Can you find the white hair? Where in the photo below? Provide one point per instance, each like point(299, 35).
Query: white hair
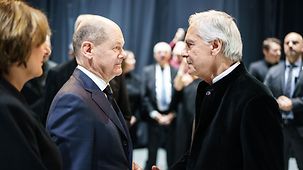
point(162, 46)
point(213, 25)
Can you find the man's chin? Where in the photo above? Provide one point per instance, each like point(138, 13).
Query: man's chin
point(118, 72)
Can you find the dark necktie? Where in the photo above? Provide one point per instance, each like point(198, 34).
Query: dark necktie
point(109, 93)
point(288, 85)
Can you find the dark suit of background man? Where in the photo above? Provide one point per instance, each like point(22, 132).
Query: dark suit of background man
point(286, 83)
point(158, 94)
point(272, 52)
point(84, 120)
point(237, 121)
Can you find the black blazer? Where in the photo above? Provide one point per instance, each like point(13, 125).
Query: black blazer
point(149, 90)
point(24, 143)
point(275, 80)
point(243, 132)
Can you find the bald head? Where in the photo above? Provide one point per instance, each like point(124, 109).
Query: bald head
point(293, 46)
point(92, 28)
point(81, 18)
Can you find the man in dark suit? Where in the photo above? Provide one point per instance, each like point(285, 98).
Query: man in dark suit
point(286, 83)
point(237, 121)
point(84, 119)
point(58, 75)
point(158, 96)
point(272, 52)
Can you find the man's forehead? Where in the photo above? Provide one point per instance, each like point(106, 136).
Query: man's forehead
point(293, 36)
point(191, 32)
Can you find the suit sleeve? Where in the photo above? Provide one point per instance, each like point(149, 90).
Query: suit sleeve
point(261, 135)
point(146, 93)
point(71, 128)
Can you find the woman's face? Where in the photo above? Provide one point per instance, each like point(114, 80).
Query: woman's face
point(35, 61)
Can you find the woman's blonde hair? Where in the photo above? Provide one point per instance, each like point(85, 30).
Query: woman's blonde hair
point(22, 28)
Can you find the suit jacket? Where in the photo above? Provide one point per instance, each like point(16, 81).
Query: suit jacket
point(259, 69)
point(149, 90)
point(87, 130)
point(24, 143)
point(241, 132)
point(56, 78)
point(275, 80)
point(60, 74)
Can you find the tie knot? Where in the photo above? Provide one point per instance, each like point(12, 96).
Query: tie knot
point(291, 66)
point(108, 91)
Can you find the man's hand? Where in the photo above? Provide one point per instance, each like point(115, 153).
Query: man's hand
point(285, 103)
point(136, 166)
point(155, 168)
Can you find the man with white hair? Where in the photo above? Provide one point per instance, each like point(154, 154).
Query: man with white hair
point(158, 92)
point(237, 122)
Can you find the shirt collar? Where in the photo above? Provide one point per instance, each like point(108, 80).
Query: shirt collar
point(297, 63)
point(226, 72)
point(97, 80)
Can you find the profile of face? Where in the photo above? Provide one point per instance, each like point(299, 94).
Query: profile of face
point(162, 53)
point(198, 55)
point(109, 55)
point(273, 54)
point(36, 59)
point(49, 51)
point(293, 46)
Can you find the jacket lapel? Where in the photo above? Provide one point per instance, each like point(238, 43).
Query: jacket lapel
point(281, 79)
point(299, 84)
point(99, 98)
point(103, 103)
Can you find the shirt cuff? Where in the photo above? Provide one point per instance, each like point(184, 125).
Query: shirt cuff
point(153, 114)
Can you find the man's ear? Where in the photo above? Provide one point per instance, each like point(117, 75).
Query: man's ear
point(86, 49)
point(216, 46)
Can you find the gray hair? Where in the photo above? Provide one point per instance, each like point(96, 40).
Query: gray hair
point(94, 33)
point(213, 25)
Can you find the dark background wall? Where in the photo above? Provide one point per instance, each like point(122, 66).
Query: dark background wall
point(145, 22)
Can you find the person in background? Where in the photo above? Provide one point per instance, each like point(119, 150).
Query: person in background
point(285, 80)
point(179, 36)
point(24, 143)
point(272, 53)
point(237, 122)
point(138, 128)
point(158, 105)
point(177, 57)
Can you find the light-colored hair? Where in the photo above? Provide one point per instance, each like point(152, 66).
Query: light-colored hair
point(80, 19)
point(22, 28)
point(163, 46)
point(91, 31)
point(213, 25)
